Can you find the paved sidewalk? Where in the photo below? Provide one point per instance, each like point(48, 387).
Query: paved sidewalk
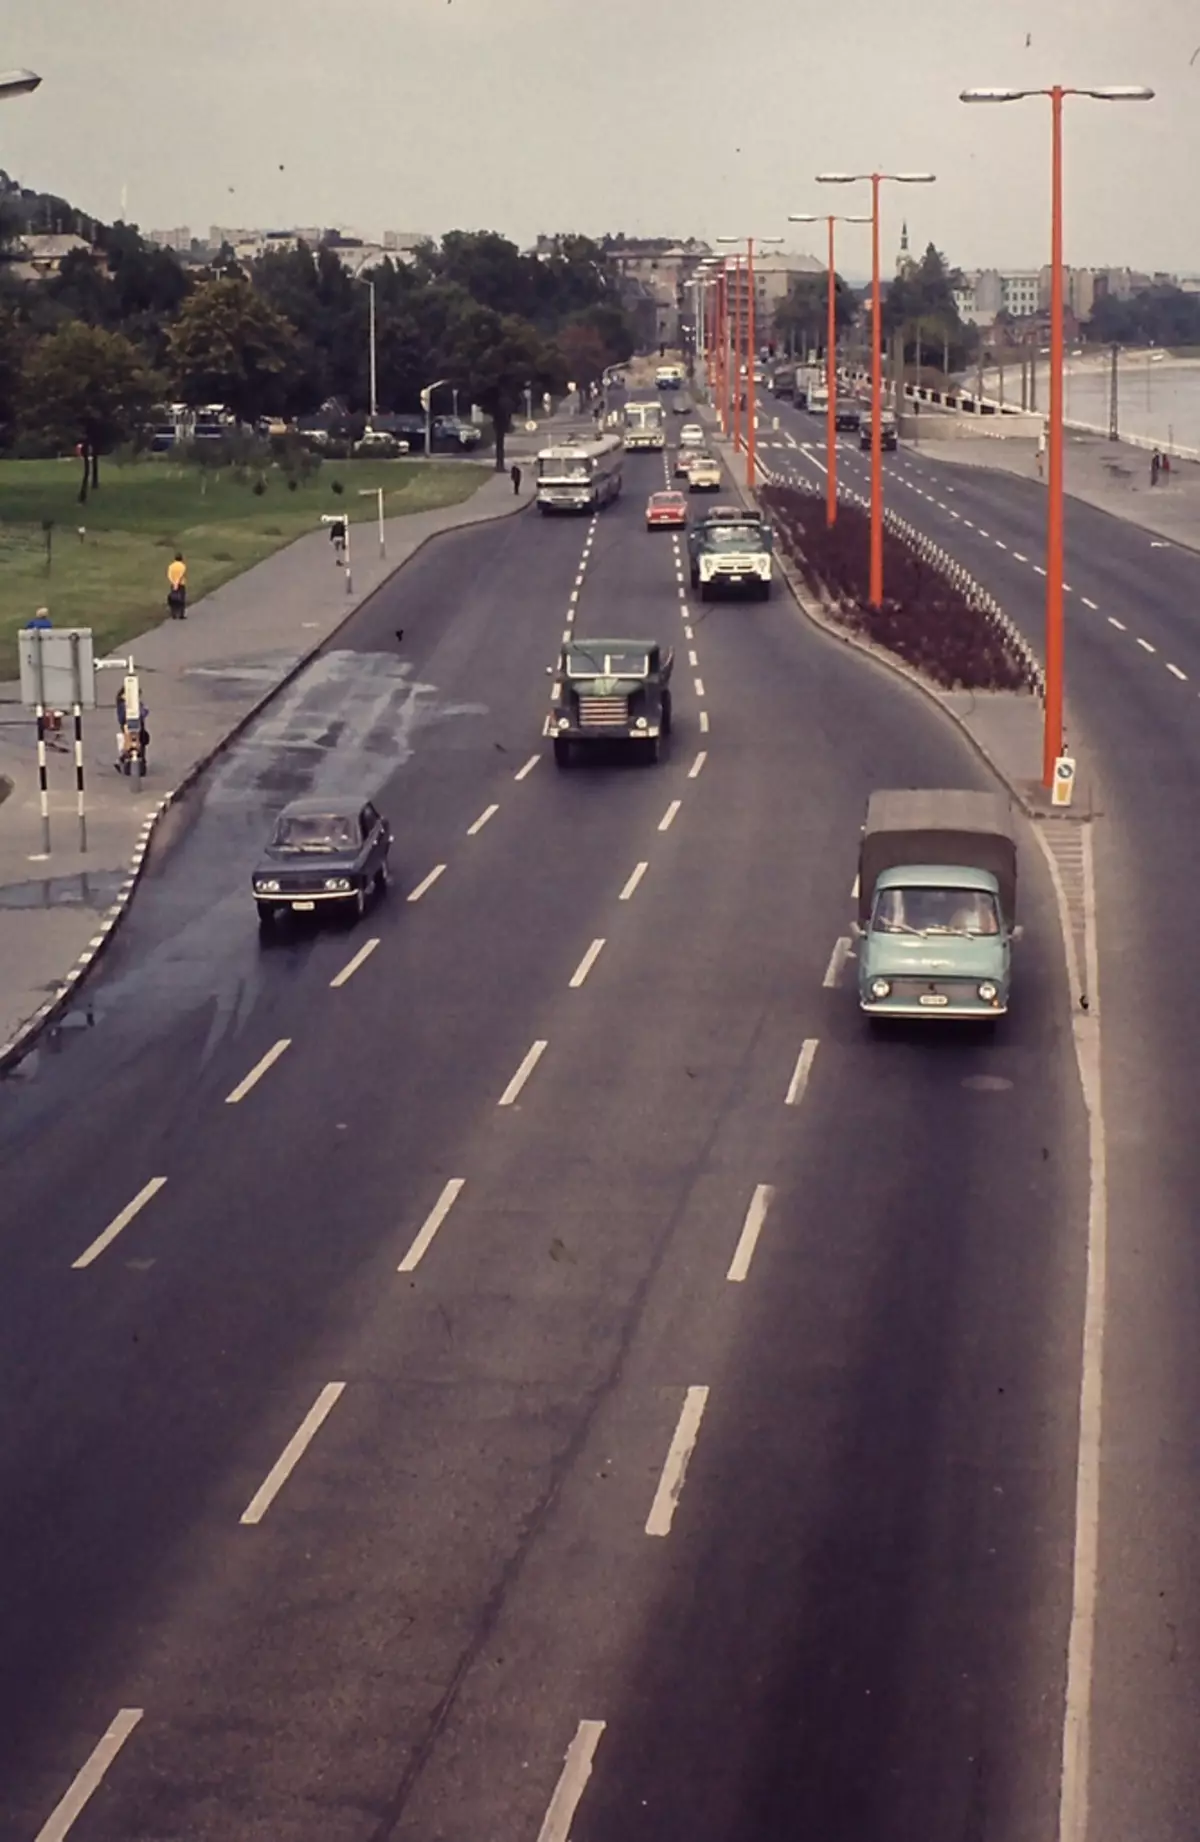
point(1111, 475)
point(202, 679)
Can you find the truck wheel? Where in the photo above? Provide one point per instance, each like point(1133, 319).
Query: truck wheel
point(666, 713)
point(562, 752)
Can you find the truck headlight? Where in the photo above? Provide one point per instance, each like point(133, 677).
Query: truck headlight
point(339, 884)
point(881, 988)
point(267, 884)
point(564, 722)
point(988, 992)
point(641, 723)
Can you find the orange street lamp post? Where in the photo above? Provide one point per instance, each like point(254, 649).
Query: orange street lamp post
point(809, 217)
point(749, 321)
point(876, 179)
point(1052, 738)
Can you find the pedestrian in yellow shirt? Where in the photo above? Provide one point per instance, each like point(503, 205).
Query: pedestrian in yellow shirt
point(177, 587)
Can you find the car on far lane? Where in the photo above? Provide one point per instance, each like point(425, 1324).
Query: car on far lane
point(664, 509)
point(683, 462)
point(704, 474)
point(691, 435)
point(323, 851)
point(849, 414)
point(887, 431)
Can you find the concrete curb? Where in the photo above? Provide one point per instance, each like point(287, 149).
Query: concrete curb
point(19, 1045)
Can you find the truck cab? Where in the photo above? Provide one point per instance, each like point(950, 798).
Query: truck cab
point(937, 893)
point(731, 550)
point(610, 690)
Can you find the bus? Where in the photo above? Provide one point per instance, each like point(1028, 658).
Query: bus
point(644, 426)
point(580, 476)
point(670, 377)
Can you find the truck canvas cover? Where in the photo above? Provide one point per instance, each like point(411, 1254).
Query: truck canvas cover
point(950, 826)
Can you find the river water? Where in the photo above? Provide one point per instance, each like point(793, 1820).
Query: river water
point(1158, 397)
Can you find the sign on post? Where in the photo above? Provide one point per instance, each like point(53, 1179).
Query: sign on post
point(1063, 789)
point(57, 667)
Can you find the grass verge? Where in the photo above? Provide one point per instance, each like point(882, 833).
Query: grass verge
point(103, 565)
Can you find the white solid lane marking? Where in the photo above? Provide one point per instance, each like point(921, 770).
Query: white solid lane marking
point(426, 884)
point(801, 1072)
point(699, 687)
point(693, 661)
point(1146, 646)
point(351, 967)
point(528, 768)
point(668, 818)
point(697, 764)
point(433, 1222)
point(522, 1075)
point(1118, 624)
point(752, 1227)
point(585, 965)
point(292, 1453)
point(87, 1781)
point(489, 812)
point(1094, 606)
point(118, 1223)
point(1176, 673)
point(258, 1071)
point(662, 1510)
point(837, 960)
point(572, 1782)
point(633, 882)
point(704, 722)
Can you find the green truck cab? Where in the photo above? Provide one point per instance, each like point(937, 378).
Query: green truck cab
point(731, 549)
point(937, 897)
point(610, 691)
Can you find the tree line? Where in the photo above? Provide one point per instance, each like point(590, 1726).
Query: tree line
point(85, 356)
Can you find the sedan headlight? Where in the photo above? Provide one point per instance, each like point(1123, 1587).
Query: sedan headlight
point(267, 885)
point(881, 988)
point(338, 884)
point(987, 992)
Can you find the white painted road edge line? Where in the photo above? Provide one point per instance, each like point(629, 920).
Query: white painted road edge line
point(633, 882)
point(662, 1510)
point(351, 967)
point(572, 1782)
point(522, 1075)
point(585, 965)
point(668, 818)
point(697, 764)
point(1077, 1707)
point(292, 1453)
point(258, 1071)
point(704, 722)
point(489, 812)
point(752, 1227)
point(433, 1222)
point(528, 768)
point(837, 960)
point(88, 1780)
point(117, 1223)
point(801, 1072)
point(423, 887)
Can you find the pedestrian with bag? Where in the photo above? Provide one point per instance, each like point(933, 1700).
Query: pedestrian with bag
point(177, 587)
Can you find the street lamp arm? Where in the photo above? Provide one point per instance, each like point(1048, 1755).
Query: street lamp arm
point(18, 82)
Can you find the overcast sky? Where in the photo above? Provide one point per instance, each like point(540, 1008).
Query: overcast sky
point(670, 117)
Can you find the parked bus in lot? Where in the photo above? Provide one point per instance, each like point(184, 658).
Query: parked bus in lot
point(579, 476)
point(644, 426)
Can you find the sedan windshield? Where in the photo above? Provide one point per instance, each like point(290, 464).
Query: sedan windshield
point(584, 663)
point(315, 831)
point(935, 911)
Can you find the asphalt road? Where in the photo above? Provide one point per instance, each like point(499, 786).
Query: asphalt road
point(695, 1392)
point(1133, 684)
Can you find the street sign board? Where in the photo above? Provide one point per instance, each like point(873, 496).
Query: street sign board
point(1063, 789)
point(57, 667)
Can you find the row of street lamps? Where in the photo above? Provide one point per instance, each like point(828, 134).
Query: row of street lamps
point(713, 287)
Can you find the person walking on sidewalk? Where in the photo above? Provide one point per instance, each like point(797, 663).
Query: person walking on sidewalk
point(132, 740)
point(1155, 465)
point(514, 474)
point(177, 587)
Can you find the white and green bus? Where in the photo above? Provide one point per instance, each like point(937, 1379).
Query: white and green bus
point(580, 476)
point(645, 426)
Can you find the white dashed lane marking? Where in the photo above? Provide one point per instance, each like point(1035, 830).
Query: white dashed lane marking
point(1175, 672)
point(1118, 624)
point(1146, 646)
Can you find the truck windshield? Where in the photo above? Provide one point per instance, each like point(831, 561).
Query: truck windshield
point(935, 911)
point(725, 537)
point(584, 663)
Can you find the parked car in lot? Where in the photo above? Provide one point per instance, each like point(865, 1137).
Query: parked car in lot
point(322, 851)
point(452, 432)
point(664, 510)
point(381, 443)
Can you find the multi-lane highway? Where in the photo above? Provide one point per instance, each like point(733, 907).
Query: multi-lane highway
point(561, 1338)
point(1133, 693)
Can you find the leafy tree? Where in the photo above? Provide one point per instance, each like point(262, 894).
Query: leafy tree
point(803, 315)
point(495, 358)
point(1161, 315)
point(12, 357)
point(82, 385)
point(488, 267)
point(923, 297)
point(584, 354)
point(230, 346)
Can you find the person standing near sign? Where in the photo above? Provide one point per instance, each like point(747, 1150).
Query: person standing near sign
point(177, 587)
point(133, 738)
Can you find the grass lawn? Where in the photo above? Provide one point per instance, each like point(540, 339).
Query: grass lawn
point(113, 578)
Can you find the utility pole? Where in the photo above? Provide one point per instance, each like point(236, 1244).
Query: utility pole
point(1114, 433)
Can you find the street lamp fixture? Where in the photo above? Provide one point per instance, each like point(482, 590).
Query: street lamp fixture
point(1052, 738)
point(876, 180)
point(748, 318)
point(426, 399)
point(831, 218)
point(18, 83)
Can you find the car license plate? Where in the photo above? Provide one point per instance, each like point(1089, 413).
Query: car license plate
point(304, 905)
point(934, 997)
point(733, 578)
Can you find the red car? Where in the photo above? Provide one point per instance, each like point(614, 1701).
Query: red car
point(665, 508)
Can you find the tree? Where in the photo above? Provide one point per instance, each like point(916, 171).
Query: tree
point(230, 346)
point(922, 299)
point(496, 358)
point(585, 356)
point(83, 385)
point(803, 315)
point(1161, 315)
